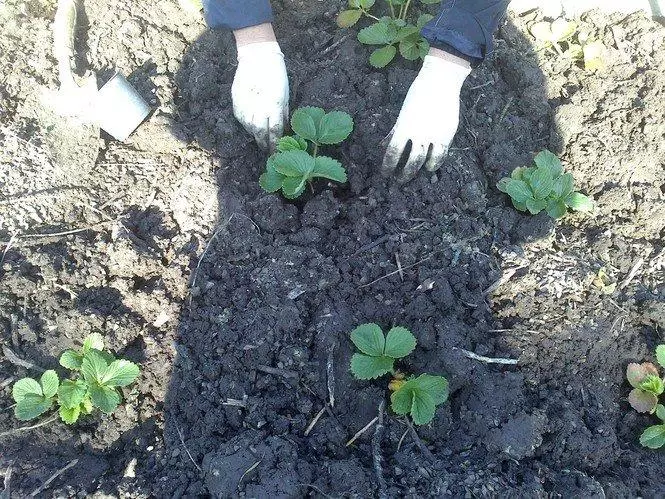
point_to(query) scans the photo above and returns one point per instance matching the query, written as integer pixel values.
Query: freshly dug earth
(238, 304)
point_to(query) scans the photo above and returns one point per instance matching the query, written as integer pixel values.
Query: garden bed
(237, 304)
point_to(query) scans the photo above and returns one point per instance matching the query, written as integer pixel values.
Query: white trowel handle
(63, 40)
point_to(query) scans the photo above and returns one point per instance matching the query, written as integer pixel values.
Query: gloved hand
(428, 119)
(260, 92)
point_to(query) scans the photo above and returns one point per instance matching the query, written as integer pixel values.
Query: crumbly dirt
(238, 304)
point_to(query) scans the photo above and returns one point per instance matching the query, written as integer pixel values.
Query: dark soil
(238, 304)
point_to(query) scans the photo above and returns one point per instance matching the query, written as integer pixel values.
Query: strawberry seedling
(97, 377)
(544, 186)
(561, 37)
(297, 162)
(648, 386)
(392, 32)
(417, 396)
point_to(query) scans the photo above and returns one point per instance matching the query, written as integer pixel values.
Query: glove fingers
(437, 154)
(275, 129)
(259, 128)
(394, 150)
(414, 163)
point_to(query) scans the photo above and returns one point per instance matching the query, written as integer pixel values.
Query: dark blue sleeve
(236, 14)
(466, 27)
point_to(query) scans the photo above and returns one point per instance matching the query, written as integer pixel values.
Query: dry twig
(17, 361)
(55, 475)
(182, 441)
(27, 428)
(487, 360)
(423, 448)
(330, 379)
(311, 425)
(361, 431)
(376, 452)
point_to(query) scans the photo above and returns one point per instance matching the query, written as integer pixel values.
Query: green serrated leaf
(399, 343)
(549, 161)
(104, 397)
(563, 185)
(369, 339)
(653, 437)
(401, 401)
(518, 190)
(556, 209)
(305, 121)
(291, 144)
(93, 341)
(660, 355)
(519, 206)
(368, 367)
(660, 412)
(367, 4)
(653, 384)
(69, 415)
(271, 180)
(329, 168)
(296, 164)
(120, 373)
(31, 406)
(24, 387)
(334, 128)
(94, 366)
(86, 405)
(71, 360)
(430, 2)
(49, 382)
(436, 386)
(72, 392)
(380, 58)
(541, 183)
(535, 206)
(579, 202)
(407, 31)
(348, 18)
(380, 33)
(423, 20)
(409, 49)
(292, 187)
(422, 407)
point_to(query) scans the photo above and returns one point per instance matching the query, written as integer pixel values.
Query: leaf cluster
(392, 32)
(417, 396)
(562, 38)
(296, 161)
(544, 186)
(97, 377)
(648, 386)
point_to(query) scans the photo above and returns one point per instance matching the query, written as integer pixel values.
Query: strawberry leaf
(31, 406)
(548, 161)
(399, 343)
(71, 360)
(653, 437)
(94, 366)
(293, 163)
(334, 127)
(305, 121)
(348, 18)
(71, 393)
(660, 355)
(369, 339)
(69, 415)
(26, 386)
(105, 398)
(381, 57)
(642, 401)
(120, 373)
(368, 367)
(94, 341)
(329, 168)
(49, 382)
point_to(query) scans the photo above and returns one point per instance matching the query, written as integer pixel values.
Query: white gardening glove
(428, 119)
(260, 92)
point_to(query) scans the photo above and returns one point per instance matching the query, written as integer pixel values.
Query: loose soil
(238, 304)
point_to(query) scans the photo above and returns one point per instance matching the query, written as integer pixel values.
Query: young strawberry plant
(417, 396)
(562, 38)
(97, 375)
(544, 186)
(648, 386)
(297, 162)
(391, 32)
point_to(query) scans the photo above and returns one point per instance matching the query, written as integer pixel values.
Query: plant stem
(316, 149)
(392, 9)
(406, 9)
(369, 15)
(401, 12)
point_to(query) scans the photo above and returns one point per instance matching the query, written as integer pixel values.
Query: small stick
(311, 425)
(69, 232)
(7, 246)
(371, 245)
(361, 431)
(330, 380)
(236, 403)
(55, 475)
(6, 382)
(395, 272)
(530, 331)
(376, 452)
(399, 267)
(27, 428)
(8, 476)
(423, 448)
(487, 360)
(504, 279)
(401, 440)
(182, 441)
(17, 361)
(632, 273)
(277, 372)
(332, 47)
(247, 471)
